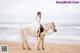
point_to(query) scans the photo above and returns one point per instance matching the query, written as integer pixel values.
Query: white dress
(37, 23)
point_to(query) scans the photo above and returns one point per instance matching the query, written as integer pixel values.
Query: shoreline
(46, 41)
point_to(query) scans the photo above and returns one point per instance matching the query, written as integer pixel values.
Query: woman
(39, 29)
(38, 19)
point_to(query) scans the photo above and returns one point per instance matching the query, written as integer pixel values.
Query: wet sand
(15, 47)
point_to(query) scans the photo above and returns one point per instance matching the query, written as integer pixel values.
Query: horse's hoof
(29, 48)
(43, 48)
(38, 48)
(24, 48)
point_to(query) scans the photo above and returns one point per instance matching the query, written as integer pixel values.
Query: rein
(48, 32)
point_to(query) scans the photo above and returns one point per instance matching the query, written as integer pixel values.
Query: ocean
(64, 34)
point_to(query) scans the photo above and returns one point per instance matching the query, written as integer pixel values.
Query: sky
(24, 11)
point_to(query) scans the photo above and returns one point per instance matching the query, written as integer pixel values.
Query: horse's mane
(48, 23)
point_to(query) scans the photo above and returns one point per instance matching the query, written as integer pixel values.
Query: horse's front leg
(42, 42)
(38, 43)
(23, 45)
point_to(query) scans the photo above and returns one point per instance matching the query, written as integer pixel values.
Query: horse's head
(52, 26)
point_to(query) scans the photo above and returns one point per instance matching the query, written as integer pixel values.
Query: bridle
(48, 32)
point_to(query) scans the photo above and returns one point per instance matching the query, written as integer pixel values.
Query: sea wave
(63, 33)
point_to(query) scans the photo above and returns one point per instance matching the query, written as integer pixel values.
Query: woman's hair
(38, 13)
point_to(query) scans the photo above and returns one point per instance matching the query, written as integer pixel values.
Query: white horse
(28, 31)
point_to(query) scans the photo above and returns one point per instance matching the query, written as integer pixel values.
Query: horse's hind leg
(25, 45)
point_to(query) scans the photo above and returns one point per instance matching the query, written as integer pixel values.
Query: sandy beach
(15, 47)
